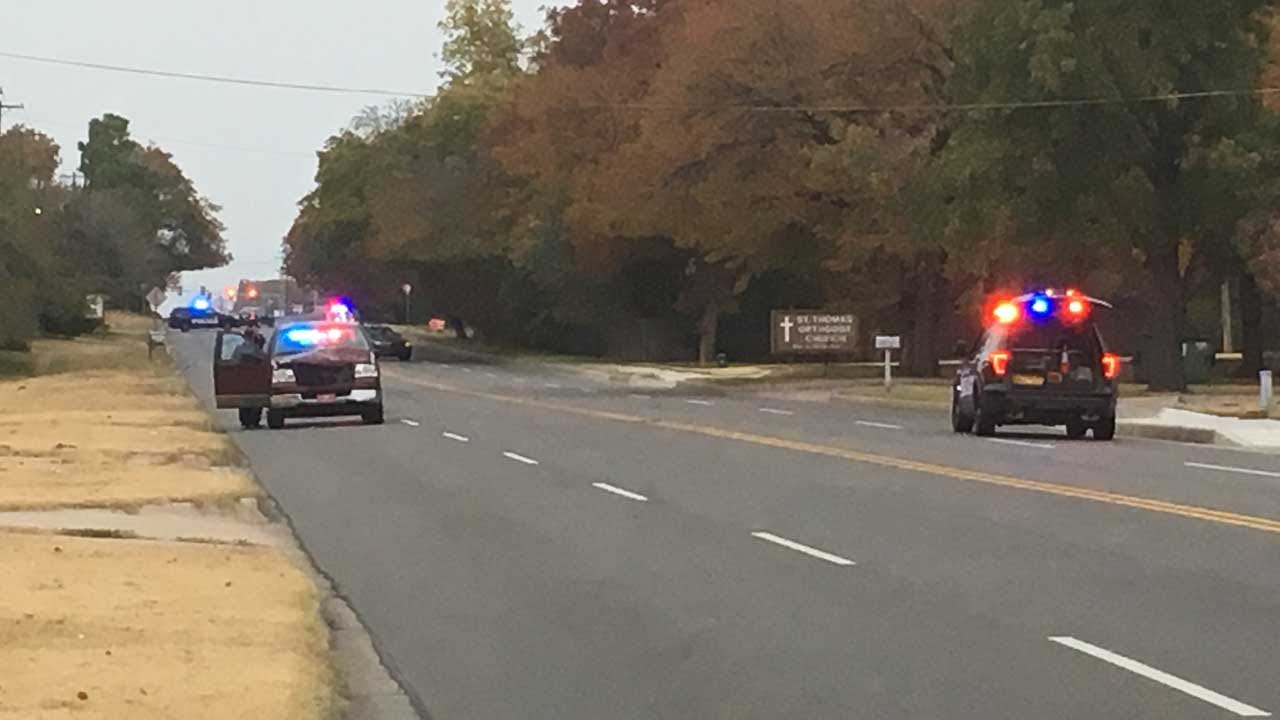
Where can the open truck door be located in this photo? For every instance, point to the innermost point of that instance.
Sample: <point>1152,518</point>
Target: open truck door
<point>241,375</point>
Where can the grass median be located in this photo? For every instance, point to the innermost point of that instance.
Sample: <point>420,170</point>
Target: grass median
<point>104,627</point>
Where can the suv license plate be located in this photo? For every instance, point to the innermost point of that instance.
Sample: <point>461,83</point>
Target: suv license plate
<point>1028,380</point>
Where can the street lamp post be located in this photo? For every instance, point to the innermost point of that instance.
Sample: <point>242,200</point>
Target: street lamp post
<point>407,289</point>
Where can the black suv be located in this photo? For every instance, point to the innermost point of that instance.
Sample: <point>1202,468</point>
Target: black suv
<point>388,343</point>
<point>1041,362</point>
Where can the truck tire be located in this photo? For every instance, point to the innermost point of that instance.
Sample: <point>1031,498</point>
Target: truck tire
<point>250,418</point>
<point>275,419</point>
<point>372,416</point>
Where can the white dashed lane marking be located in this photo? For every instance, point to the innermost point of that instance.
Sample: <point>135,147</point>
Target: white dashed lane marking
<point>776,411</point>
<point>455,436</point>
<point>1021,443</point>
<point>412,423</point>
<point>798,547</point>
<point>1164,678</point>
<point>1228,468</point>
<point>882,426</point>
<point>619,491</point>
<point>520,458</point>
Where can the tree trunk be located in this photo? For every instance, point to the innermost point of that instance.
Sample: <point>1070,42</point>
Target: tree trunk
<point>1163,358</point>
<point>921,354</point>
<point>1250,326</point>
<point>707,333</point>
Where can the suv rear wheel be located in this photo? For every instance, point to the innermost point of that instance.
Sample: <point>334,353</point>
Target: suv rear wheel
<point>372,416</point>
<point>1105,429</point>
<point>984,421</point>
<point>275,419</point>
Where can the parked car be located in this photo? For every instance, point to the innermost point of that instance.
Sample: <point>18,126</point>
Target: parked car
<point>387,342</point>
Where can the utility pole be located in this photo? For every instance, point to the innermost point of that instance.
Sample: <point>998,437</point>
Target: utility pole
<point>4,107</point>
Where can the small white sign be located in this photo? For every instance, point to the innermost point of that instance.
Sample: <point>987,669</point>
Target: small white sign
<point>888,342</point>
<point>94,305</point>
<point>156,297</point>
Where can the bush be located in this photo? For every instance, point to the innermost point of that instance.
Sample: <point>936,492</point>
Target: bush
<point>17,314</point>
<point>62,310</point>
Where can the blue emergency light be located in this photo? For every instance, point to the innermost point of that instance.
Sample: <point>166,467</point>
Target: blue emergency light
<point>1040,306</point>
<point>200,304</point>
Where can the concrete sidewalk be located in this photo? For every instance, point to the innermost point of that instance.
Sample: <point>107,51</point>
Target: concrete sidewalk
<point>1155,417</point>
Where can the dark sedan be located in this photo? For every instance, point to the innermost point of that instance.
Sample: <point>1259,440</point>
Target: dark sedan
<point>388,343</point>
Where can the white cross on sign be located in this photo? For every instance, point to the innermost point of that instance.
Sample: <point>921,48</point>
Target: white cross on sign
<point>786,328</point>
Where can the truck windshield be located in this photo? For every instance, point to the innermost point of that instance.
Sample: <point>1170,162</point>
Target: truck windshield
<point>305,337</point>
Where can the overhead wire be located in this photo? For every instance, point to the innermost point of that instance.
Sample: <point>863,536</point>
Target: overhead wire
<point>753,107</point>
<point>223,79</point>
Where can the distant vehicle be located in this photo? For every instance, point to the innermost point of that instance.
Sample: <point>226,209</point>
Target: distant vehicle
<point>199,315</point>
<point>388,343</point>
<point>179,317</point>
<point>311,368</point>
<point>255,314</point>
<point>1041,361</point>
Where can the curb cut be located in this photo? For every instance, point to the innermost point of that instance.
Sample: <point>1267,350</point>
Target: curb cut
<point>1176,433</point>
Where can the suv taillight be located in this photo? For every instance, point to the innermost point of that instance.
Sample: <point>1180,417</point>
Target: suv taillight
<point>999,362</point>
<point>1111,366</point>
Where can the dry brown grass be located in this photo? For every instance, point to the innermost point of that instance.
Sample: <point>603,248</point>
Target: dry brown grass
<point>110,438</point>
<point>112,629</point>
<point>118,628</point>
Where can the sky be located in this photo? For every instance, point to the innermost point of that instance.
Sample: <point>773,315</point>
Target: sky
<point>250,150</point>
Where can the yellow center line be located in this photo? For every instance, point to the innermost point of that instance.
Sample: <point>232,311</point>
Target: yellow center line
<point>1102,496</point>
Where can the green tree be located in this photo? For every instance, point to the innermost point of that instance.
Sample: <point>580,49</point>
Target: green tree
<point>481,40</point>
<point>1130,179</point>
<point>164,225</point>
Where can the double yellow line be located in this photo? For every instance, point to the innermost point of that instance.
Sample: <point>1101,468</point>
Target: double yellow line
<point>1160,506</point>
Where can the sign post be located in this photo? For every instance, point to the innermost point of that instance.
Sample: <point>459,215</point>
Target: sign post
<point>888,343</point>
<point>407,289</point>
<point>1264,392</point>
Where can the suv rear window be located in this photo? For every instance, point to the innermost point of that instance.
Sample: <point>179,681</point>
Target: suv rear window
<point>1052,336</point>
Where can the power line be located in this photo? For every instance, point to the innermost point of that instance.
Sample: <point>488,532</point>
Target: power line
<point>748,107</point>
<point>943,107</point>
<point>212,78</point>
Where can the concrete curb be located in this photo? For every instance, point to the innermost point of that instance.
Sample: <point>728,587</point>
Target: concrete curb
<point>1176,433</point>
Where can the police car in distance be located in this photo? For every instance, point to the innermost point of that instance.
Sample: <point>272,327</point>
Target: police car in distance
<point>199,314</point>
<point>1040,361</point>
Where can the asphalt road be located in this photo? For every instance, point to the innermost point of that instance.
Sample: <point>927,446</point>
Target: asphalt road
<point>524,543</point>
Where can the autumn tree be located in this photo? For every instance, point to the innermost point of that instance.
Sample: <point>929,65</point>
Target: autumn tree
<point>416,196</point>
<point>713,124</point>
